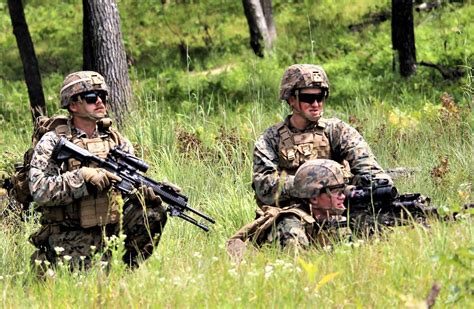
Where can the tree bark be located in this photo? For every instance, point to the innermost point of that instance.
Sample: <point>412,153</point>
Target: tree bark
<point>268,14</point>
<point>108,54</point>
<point>28,58</point>
<point>261,27</point>
<point>403,36</point>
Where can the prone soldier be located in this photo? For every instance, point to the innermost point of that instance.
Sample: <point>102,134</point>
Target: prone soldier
<point>319,189</point>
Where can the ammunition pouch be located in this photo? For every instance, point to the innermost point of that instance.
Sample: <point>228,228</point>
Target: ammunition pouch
<point>95,211</point>
<point>297,148</point>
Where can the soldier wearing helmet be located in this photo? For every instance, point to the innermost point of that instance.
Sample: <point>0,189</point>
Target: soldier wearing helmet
<point>306,135</point>
<point>319,198</point>
<point>78,205</point>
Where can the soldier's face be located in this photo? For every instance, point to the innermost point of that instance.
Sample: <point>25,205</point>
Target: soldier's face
<point>331,202</point>
<point>89,104</point>
<point>309,105</point>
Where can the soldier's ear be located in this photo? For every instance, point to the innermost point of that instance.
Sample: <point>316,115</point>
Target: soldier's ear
<point>292,101</point>
<point>73,106</point>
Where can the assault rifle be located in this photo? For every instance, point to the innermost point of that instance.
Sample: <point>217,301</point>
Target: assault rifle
<point>382,197</point>
<point>130,169</point>
<point>379,204</point>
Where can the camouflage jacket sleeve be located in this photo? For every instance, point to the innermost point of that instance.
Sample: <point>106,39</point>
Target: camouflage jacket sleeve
<point>266,174</point>
<point>49,184</point>
<point>348,144</point>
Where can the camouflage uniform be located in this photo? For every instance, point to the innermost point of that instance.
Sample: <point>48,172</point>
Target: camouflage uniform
<point>344,143</point>
<point>60,193</point>
<point>54,188</point>
<point>281,149</point>
<point>297,225</point>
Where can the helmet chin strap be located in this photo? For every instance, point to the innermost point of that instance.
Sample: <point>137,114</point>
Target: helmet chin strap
<point>298,111</point>
<point>87,116</point>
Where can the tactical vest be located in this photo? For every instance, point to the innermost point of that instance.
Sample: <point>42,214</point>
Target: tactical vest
<point>257,231</point>
<point>98,208</point>
<point>297,148</point>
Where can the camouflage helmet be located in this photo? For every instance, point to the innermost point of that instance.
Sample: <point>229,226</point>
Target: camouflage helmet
<point>315,175</point>
<point>299,76</point>
<point>79,82</point>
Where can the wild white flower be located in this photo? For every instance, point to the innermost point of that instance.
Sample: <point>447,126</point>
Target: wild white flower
<point>197,254</point>
<point>82,257</point>
<point>67,258</point>
<point>177,280</point>
<point>232,272</point>
<point>19,273</point>
<point>253,273</point>
<point>200,276</point>
<point>238,299</point>
<point>93,248</point>
<point>60,263</point>
<point>306,289</point>
<point>50,273</point>
<point>215,259</point>
<point>46,262</point>
<point>38,262</point>
<point>1,277</point>
<point>268,271</point>
<point>162,279</point>
<point>58,249</point>
<point>104,263</point>
<point>327,248</point>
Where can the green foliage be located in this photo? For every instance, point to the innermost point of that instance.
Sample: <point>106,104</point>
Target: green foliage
<point>201,100</point>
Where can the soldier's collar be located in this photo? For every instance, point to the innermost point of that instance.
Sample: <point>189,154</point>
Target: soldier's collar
<point>310,127</point>
<point>81,134</point>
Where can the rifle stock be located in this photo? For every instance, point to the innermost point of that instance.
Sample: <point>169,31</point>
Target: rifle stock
<point>129,168</point>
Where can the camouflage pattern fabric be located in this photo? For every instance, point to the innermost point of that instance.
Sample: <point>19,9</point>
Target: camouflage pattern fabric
<point>69,243</point>
<point>345,142</point>
<point>290,231</point>
<point>80,82</point>
<point>49,185</point>
<point>52,186</point>
<point>315,175</point>
<point>299,76</point>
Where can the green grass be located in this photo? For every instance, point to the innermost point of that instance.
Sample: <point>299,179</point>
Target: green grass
<point>180,106</point>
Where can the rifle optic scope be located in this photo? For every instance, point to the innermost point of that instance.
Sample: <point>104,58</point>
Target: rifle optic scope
<point>377,193</point>
<point>129,159</point>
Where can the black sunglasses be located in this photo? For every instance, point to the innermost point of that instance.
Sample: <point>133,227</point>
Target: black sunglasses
<point>311,97</point>
<point>91,97</point>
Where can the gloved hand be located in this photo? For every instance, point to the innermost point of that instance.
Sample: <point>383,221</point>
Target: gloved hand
<point>173,187</point>
<point>98,177</point>
<point>150,196</point>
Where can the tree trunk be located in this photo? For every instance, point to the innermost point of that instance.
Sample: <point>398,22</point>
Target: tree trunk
<point>87,53</point>
<point>108,54</point>
<point>261,27</point>
<point>403,36</point>
<point>28,58</point>
<point>268,13</point>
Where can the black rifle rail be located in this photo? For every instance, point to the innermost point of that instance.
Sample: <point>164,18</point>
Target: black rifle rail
<point>128,167</point>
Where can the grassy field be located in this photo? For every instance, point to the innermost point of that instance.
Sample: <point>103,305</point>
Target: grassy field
<point>197,129</point>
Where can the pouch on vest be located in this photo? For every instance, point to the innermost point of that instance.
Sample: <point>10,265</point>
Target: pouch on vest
<point>297,148</point>
<point>95,211</point>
